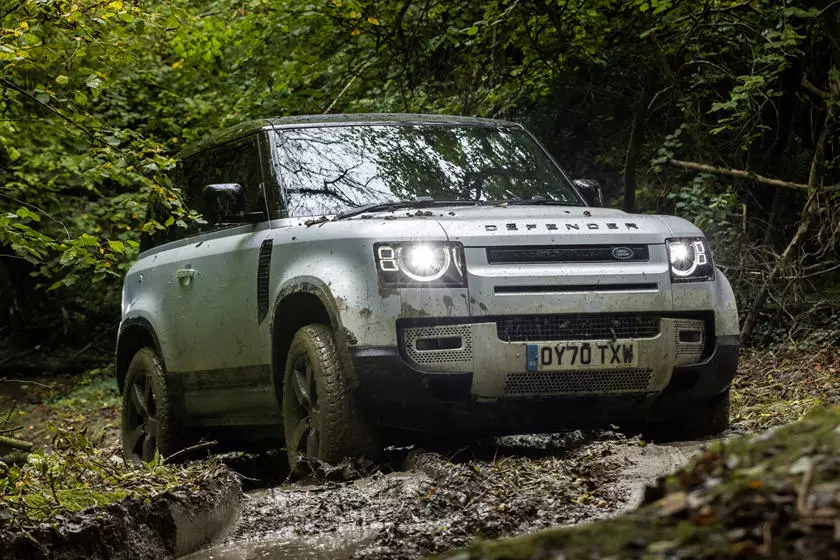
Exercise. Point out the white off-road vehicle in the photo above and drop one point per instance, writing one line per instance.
(428, 273)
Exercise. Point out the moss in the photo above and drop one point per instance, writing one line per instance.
(70, 500)
(92, 393)
(728, 502)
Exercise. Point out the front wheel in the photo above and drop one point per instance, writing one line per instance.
(321, 418)
(694, 419)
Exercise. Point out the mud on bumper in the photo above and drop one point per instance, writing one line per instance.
(405, 389)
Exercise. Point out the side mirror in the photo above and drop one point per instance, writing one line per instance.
(224, 203)
(591, 191)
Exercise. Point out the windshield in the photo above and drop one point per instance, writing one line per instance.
(333, 170)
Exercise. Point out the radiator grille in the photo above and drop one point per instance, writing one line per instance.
(537, 328)
(578, 382)
(573, 253)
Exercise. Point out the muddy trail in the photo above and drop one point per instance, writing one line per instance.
(425, 502)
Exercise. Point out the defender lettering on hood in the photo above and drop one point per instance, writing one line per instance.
(569, 227)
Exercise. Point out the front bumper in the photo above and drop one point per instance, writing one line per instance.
(401, 392)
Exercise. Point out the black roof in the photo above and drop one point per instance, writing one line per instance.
(249, 127)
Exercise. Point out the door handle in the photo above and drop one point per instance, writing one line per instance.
(185, 275)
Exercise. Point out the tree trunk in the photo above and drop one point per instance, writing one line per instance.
(10, 325)
(631, 159)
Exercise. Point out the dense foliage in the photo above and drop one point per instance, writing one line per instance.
(97, 97)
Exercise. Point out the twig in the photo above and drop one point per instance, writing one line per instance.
(6, 380)
(346, 87)
(801, 497)
(806, 84)
(742, 174)
(196, 447)
(87, 346)
(15, 443)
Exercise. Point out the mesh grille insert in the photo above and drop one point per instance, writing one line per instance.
(578, 382)
(433, 356)
(558, 327)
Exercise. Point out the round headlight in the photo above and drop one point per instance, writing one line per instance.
(683, 257)
(424, 262)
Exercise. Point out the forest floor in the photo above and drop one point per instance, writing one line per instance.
(427, 502)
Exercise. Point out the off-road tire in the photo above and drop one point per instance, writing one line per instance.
(344, 430)
(695, 419)
(147, 366)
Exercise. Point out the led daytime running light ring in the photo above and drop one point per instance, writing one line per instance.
(698, 258)
(447, 261)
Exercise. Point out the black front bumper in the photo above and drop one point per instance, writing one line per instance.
(399, 395)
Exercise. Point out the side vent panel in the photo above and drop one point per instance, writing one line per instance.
(263, 277)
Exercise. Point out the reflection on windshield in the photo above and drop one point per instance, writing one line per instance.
(331, 170)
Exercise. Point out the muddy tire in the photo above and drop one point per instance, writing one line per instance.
(695, 419)
(321, 418)
(148, 421)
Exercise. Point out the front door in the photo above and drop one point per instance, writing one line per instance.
(223, 367)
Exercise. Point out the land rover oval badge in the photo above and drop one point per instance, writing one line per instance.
(622, 253)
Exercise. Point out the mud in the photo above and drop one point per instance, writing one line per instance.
(171, 524)
(423, 503)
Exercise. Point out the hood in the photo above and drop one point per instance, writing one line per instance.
(478, 226)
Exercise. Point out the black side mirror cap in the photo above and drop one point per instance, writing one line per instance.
(591, 191)
(224, 203)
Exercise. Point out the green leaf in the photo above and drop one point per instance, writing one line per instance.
(93, 81)
(472, 30)
(24, 212)
(117, 246)
(62, 80)
(87, 240)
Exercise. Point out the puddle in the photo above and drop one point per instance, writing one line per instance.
(338, 546)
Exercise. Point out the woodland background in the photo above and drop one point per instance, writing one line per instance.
(723, 112)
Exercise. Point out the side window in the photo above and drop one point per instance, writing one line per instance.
(230, 163)
(239, 163)
(235, 162)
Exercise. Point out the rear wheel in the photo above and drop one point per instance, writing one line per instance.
(321, 418)
(148, 420)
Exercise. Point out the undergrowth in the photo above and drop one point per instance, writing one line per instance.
(76, 475)
(778, 384)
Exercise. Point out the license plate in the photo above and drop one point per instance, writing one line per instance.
(595, 354)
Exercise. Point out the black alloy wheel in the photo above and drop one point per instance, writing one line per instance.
(306, 431)
(321, 416)
(149, 421)
(141, 425)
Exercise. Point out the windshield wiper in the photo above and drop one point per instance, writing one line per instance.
(419, 202)
(536, 202)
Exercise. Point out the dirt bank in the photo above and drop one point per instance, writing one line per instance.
(167, 525)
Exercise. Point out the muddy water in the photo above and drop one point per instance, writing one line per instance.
(427, 502)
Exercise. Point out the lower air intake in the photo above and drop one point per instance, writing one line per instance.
(578, 382)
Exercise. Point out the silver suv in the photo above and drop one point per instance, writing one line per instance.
(428, 273)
